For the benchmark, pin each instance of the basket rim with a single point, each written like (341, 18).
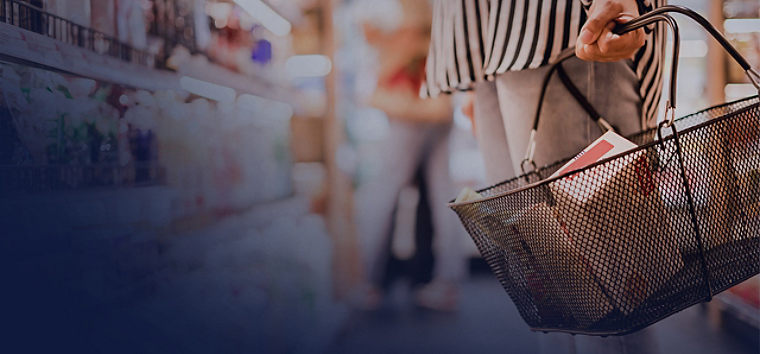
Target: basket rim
(453, 204)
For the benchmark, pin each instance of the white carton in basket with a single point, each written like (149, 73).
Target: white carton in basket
(608, 145)
(557, 276)
(616, 219)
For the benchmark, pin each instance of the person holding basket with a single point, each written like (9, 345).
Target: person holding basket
(502, 50)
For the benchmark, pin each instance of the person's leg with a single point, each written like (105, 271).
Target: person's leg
(449, 262)
(490, 134)
(450, 259)
(376, 201)
(564, 130)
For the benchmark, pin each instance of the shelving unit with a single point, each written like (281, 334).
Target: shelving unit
(216, 183)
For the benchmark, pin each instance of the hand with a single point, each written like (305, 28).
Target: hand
(468, 109)
(596, 41)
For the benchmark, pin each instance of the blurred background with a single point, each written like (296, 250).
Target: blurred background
(261, 176)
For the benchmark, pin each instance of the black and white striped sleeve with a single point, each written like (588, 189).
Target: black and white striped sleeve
(474, 40)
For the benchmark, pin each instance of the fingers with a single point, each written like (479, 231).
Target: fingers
(596, 41)
(598, 20)
(592, 53)
(610, 46)
(468, 108)
(620, 48)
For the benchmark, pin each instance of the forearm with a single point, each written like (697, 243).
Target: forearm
(402, 105)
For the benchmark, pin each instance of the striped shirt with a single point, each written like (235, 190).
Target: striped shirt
(474, 40)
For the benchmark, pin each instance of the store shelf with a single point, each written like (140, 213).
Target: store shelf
(256, 85)
(33, 49)
(37, 50)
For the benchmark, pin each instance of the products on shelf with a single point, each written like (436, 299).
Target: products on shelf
(221, 156)
(77, 11)
(103, 13)
(59, 119)
(131, 23)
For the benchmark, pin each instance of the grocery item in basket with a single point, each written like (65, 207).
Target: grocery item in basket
(468, 195)
(556, 275)
(615, 216)
(730, 180)
(608, 145)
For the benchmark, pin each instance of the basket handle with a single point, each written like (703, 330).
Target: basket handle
(574, 91)
(642, 21)
(656, 15)
(571, 88)
(660, 14)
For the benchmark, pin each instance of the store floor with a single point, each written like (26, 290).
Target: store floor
(487, 322)
(259, 282)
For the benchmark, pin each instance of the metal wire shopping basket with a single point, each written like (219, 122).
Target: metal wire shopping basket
(676, 221)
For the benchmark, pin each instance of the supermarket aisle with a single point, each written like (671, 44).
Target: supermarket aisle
(484, 323)
(488, 323)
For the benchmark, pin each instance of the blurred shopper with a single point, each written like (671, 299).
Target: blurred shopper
(418, 136)
(501, 49)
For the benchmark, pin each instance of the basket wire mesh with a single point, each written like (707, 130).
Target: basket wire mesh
(625, 242)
